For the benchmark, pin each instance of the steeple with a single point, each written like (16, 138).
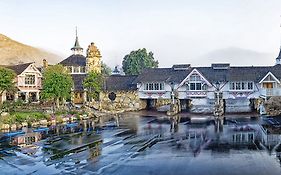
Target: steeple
(77, 50)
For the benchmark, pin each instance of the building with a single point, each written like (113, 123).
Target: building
(196, 88)
(28, 82)
(78, 66)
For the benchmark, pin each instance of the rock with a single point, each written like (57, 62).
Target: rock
(273, 106)
(4, 114)
(43, 122)
(5, 126)
(24, 124)
(13, 127)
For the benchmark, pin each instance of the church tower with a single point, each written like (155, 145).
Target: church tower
(93, 59)
(76, 49)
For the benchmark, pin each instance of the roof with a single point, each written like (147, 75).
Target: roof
(19, 68)
(249, 73)
(119, 82)
(76, 44)
(74, 60)
(78, 81)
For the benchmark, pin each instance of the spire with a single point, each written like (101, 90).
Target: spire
(77, 49)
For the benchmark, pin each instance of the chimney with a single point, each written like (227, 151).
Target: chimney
(45, 63)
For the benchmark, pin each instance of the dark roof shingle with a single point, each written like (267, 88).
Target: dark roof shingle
(74, 60)
(119, 82)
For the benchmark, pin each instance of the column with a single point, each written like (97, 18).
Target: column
(16, 96)
(26, 97)
(37, 96)
(84, 97)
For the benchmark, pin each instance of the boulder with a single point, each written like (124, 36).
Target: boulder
(273, 106)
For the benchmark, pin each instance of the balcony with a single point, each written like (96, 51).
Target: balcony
(271, 92)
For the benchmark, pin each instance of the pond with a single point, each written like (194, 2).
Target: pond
(143, 143)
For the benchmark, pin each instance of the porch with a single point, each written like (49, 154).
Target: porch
(269, 92)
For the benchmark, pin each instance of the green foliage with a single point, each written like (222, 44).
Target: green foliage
(105, 70)
(57, 83)
(136, 61)
(19, 117)
(93, 83)
(7, 77)
(11, 106)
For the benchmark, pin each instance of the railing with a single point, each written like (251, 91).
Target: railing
(271, 92)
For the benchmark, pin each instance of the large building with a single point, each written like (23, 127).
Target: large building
(79, 65)
(196, 88)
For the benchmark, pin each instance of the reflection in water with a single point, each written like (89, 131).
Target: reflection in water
(118, 140)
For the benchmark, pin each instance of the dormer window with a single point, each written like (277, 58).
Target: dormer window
(154, 86)
(76, 69)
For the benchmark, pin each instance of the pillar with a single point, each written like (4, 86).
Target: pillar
(84, 96)
(26, 96)
(16, 96)
(37, 96)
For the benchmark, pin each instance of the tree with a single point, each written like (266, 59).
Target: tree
(57, 84)
(7, 83)
(93, 83)
(105, 70)
(136, 61)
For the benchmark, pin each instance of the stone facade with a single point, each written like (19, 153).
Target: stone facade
(124, 101)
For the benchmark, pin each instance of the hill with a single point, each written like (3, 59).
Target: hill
(14, 52)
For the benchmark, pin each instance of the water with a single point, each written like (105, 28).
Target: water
(143, 143)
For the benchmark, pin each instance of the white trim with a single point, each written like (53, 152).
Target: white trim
(34, 67)
(269, 73)
(192, 72)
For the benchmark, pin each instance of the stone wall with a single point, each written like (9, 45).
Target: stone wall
(124, 101)
(273, 106)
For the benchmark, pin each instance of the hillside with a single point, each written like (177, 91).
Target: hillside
(13, 52)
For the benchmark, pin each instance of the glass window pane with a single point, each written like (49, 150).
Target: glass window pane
(192, 86)
(198, 86)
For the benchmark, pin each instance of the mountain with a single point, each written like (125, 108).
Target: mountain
(239, 57)
(13, 52)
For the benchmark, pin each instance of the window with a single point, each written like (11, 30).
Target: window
(241, 85)
(30, 79)
(154, 86)
(198, 86)
(238, 85)
(232, 86)
(82, 69)
(195, 78)
(250, 85)
(192, 86)
(76, 69)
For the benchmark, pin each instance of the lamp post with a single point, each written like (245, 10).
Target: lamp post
(172, 84)
(217, 86)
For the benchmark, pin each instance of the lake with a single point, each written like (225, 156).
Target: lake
(147, 143)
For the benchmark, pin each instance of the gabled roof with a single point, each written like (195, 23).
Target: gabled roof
(119, 82)
(19, 68)
(74, 60)
(271, 75)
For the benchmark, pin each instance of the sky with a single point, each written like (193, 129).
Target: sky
(199, 32)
